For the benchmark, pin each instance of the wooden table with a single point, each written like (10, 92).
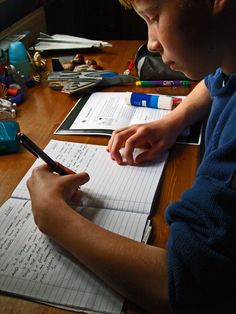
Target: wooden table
(42, 112)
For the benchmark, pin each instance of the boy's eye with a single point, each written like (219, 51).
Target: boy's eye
(150, 15)
(152, 19)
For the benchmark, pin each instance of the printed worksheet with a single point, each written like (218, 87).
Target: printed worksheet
(110, 111)
(101, 113)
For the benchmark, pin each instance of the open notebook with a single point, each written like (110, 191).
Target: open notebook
(118, 198)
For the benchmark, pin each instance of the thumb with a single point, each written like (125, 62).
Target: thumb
(147, 155)
(76, 180)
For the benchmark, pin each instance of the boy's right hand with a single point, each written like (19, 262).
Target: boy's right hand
(156, 137)
(51, 196)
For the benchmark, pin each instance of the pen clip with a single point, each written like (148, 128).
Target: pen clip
(24, 141)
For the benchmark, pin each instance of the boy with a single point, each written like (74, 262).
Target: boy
(197, 271)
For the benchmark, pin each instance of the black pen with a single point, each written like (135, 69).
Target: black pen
(38, 152)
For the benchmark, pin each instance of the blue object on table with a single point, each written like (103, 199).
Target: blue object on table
(18, 57)
(9, 142)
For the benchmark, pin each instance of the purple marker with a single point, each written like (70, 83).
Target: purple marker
(160, 83)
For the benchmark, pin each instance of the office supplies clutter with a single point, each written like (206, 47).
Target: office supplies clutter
(9, 142)
(116, 198)
(79, 74)
(77, 63)
(15, 73)
(12, 86)
(7, 109)
(39, 66)
(73, 82)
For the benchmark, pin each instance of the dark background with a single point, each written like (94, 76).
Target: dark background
(12, 10)
(95, 19)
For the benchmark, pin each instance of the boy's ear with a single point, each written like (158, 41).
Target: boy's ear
(219, 5)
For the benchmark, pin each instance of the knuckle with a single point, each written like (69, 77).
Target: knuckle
(129, 143)
(115, 133)
(144, 129)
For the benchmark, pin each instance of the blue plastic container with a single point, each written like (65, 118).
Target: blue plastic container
(19, 59)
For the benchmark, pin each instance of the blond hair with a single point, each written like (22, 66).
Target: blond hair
(126, 3)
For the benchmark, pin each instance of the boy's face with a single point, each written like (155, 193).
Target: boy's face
(185, 37)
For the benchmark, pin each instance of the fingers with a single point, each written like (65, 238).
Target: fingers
(136, 136)
(133, 142)
(114, 145)
(156, 137)
(69, 171)
(116, 135)
(39, 172)
(147, 155)
(76, 180)
(43, 175)
(120, 136)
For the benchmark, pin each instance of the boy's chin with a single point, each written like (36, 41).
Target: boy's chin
(194, 76)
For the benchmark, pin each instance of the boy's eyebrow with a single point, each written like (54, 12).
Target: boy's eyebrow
(144, 9)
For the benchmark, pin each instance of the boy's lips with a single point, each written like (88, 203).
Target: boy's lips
(171, 64)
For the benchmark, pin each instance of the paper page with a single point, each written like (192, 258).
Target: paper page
(108, 111)
(128, 188)
(144, 115)
(104, 111)
(33, 266)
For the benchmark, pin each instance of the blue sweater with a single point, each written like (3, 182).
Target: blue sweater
(202, 243)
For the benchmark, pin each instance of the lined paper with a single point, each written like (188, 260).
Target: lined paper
(129, 188)
(117, 198)
(33, 266)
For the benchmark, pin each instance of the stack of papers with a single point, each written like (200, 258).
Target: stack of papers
(63, 42)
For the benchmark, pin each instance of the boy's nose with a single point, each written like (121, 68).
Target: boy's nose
(154, 46)
(153, 42)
